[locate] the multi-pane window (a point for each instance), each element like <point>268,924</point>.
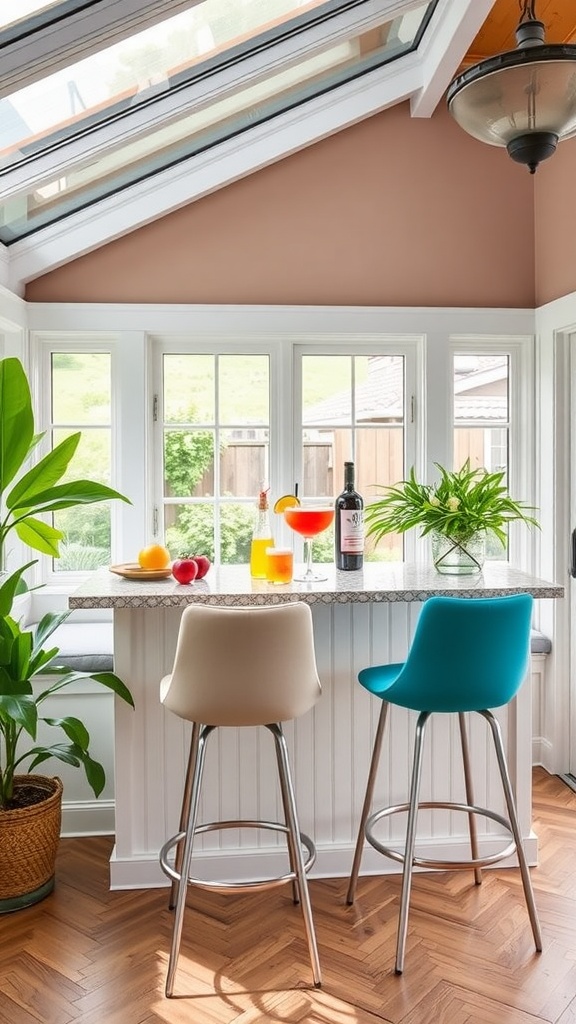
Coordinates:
<point>352,409</point>
<point>80,396</point>
<point>231,417</point>
<point>215,441</point>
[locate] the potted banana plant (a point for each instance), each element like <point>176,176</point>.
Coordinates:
<point>30,803</point>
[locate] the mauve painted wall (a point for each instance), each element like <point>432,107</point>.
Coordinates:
<point>393,211</point>
<point>555,224</point>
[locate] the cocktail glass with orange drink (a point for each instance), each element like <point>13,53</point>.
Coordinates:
<point>309,522</point>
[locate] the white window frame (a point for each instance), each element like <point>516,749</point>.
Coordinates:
<point>411,350</point>
<point>431,337</point>
<point>520,351</point>
<point>223,345</point>
<point>42,346</point>
<point>285,353</point>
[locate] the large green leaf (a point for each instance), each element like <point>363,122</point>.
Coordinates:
<point>40,536</point>
<point>108,679</point>
<point>74,729</point>
<point>48,623</point>
<point>74,755</point>
<point>21,651</point>
<point>16,419</point>
<point>95,774</point>
<point>40,661</point>
<point>65,752</point>
<point>11,587</point>
<point>76,492</point>
<point>11,687</point>
<point>44,474</point>
<point>21,709</point>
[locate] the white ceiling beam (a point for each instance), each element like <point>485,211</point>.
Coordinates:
<point>454,25</point>
<point>4,266</point>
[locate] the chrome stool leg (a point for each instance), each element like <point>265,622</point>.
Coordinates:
<point>183,878</point>
<point>469,795</point>
<point>289,837</point>
<point>376,751</point>
<point>185,812</point>
<point>296,848</point>
<point>190,815</point>
<point>515,827</point>
<point>410,840</point>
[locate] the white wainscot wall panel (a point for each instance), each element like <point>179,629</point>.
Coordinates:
<point>330,751</point>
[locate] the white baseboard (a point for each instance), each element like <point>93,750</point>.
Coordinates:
<point>333,861</point>
<point>543,754</point>
<point>87,818</point>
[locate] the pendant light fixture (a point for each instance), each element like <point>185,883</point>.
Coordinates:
<point>524,99</point>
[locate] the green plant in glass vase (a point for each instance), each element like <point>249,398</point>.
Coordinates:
<point>459,512</point>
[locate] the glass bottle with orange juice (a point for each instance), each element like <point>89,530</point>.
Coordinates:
<point>261,538</point>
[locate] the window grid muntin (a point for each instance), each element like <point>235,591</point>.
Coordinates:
<point>511,362</point>
<point>358,428</point>
<point>219,501</point>
<point>88,431</point>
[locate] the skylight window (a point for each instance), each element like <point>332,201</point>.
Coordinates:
<point>121,76</point>
<point>170,92</point>
<point>12,11</point>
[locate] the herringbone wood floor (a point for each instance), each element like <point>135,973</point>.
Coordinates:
<point>97,957</point>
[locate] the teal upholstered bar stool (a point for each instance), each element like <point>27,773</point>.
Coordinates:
<point>240,667</point>
<point>467,655</point>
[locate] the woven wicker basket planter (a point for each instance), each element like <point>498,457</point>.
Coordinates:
<point>29,838</point>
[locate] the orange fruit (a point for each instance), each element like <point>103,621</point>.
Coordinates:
<point>154,556</point>
<point>286,501</point>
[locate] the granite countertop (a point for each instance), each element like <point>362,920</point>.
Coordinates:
<point>377,581</point>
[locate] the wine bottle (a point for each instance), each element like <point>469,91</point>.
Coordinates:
<point>349,524</point>
<point>261,538</point>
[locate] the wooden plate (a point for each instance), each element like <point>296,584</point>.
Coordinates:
<point>132,571</point>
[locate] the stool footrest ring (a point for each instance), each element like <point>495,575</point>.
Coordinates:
<point>253,885</point>
<point>439,865</point>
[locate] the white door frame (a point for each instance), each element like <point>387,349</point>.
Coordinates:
<point>555,403</point>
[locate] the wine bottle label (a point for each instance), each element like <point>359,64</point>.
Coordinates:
<point>352,531</point>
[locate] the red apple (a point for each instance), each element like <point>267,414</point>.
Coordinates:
<point>203,564</point>
<point>185,570</point>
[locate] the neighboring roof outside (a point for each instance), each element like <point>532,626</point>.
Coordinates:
<point>380,398</point>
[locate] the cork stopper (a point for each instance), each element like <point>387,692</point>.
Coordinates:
<point>263,500</point>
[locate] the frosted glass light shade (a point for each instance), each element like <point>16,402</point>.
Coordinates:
<point>524,100</point>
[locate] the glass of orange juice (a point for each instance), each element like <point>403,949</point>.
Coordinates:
<point>279,563</point>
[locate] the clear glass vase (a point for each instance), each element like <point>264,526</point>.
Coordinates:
<point>457,557</point>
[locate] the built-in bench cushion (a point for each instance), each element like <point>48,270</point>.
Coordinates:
<point>83,646</point>
<point>88,646</point>
<point>539,643</point>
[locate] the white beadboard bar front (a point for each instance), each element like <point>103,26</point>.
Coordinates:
<point>360,618</point>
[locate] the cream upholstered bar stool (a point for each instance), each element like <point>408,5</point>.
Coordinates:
<point>240,667</point>
<point>467,655</point>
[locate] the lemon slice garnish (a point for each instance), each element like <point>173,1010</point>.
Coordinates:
<point>286,501</point>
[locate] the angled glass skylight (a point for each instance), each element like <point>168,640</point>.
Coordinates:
<point>20,18</point>
<point>173,91</point>
<point>130,72</point>
<point>13,11</point>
